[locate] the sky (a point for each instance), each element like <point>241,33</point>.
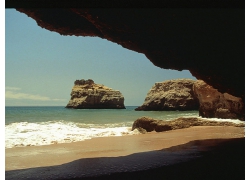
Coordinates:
<point>41,66</point>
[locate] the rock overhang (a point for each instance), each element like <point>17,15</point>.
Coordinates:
<point>209,42</point>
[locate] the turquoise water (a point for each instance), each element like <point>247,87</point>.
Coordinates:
<point>35,126</point>
<point>93,116</point>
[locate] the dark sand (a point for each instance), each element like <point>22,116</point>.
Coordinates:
<point>192,153</point>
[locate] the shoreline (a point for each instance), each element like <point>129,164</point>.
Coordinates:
<point>99,157</point>
<point>23,134</point>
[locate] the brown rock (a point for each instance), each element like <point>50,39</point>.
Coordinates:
<point>216,104</point>
<point>150,124</point>
<point>88,95</point>
<point>171,95</point>
<point>187,94</point>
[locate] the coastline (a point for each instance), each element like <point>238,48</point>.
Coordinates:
<point>114,156</point>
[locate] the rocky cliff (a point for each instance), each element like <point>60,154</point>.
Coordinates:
<point>187,94</point>
<point>216,104</point>
<point>171,95</point>
<point>88,95</point>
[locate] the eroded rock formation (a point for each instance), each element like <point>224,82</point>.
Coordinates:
<point>149,124</point>
<point>88,95</point>
<point>187,94</point>
<point>171,95</point>
<point>216,104</point>
<point>210,42</point>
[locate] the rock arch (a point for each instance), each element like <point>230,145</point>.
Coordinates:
<point>209,42</point>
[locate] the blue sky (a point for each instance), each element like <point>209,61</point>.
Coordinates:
<point>41,66</point>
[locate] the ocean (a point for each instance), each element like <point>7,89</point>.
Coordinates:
<point>36,126</point>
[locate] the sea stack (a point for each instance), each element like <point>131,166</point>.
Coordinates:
<point>171,95</point>
<point>86,94</point>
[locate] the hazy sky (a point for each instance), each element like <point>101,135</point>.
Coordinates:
<point>41,66</point>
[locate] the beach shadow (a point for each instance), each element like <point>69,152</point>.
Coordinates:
<point>201,159</point>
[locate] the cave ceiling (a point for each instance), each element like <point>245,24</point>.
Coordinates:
<point>209,42</point>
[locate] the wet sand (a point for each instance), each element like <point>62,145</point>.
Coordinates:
<point>192,153</point>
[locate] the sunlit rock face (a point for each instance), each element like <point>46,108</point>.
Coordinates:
<point>187,94</point>
<point>209,42</point>
<point>88,95</point>
<point>171,95</point>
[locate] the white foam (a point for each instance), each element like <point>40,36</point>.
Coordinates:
<point>236,121</point>
<point>36,134</point>
<point>53,132</point>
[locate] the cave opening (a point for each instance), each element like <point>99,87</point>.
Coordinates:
<point>24,76</point>
<point>57,61</point>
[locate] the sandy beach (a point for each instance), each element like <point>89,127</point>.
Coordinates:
<point>189,153</point>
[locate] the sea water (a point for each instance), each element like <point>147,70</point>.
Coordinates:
<point>36,126</point>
